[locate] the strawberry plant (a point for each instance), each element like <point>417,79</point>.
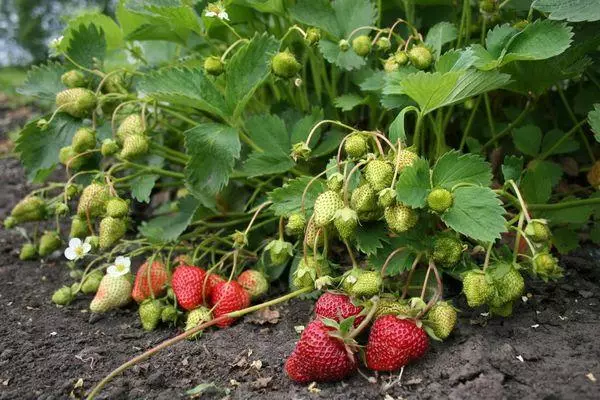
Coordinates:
<point>369,150</point>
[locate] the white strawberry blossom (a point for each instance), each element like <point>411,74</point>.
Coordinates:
<point>77,249</point>
<point>120,267</point>
<point>217,10</point>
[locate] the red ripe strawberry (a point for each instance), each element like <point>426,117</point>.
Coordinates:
<point>320,357</point>
<point>187,284</point>
<point>337,306</point>
<point>394,342</point>
<point>227,297</point>
<point>154,278</point>
<point>212,280</point>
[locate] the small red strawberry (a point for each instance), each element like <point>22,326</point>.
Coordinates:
<point>394,342</point>
<point>227,297</point>
<point>149,281</point>
<point>212,280</point>
<point>319,356</point>
<point>337,306</point>
<point>187,284</point>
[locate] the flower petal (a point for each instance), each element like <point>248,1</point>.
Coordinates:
<point>86,247</point>
<point>224,15</point>
<point>210,14</point>
<point>70,253</point>
<point>75,242</point>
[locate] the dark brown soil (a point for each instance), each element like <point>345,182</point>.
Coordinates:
<point>549,350</point>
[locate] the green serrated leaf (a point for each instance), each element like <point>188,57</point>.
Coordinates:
<point>435,90</point>
<point>141,187</point>
<point>39,149</point>
<point>440,34</point>
<point>261,164</point>
<point>538,181</point>
<point>247,70</point>
<point>371,237</point>
<point>402,260</point>
<point>168,228</point>
<point>396,131</point>
<point>87,46</point>
<point>112,31</point>
<point>577,215</point>
<point>352,14</point>
<point>347,60</point>
<point>570,10</point>
<point>213,149</point>
<point>453,168</point>
<point>413,184</point>
<point>288,198</point>
<point>565,239</point>
<point>347,102</point>
<point>328,144</point>
<point>187,87</point>
<point>455,60</point>
<point>43,81</point>
<point>512,168</point>
<point>302,127</point>
<point>594,121</point>
<point>269,133</point>
<point>175,20</point>
<point>374,83</point>
<point>528,139</point>
<point>477,213</point>
<point>567,145</point>
<point>317,13</point>
<point>497,39</point>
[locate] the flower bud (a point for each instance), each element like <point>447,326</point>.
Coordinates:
<point>386,197</point>
<point>537,230</point>
<point>344,45</point>
<point>72,190</point>
<point>313,35</point>
<point>285,65</point>
<point>280,251</point>
<point>60,209</point>
<point>301,151</point>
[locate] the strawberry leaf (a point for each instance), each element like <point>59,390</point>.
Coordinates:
<point>43,81</point>
<point>538,181</point>
<point>440,34</point>
<point>413,184</point>
<point>269,133</point>
<point>288,198</point>
<point>167,228</point>
<point>453,168</point>
<point>594,121</point>
<point>528,139</point>
<point>347,60</point>
<point>570,10</point>
<point>371,237</point>
<point>512,168</point>
<point>477,213</point>
<point>317,13</point>
<point>261,164</point>
<point>87,46</point>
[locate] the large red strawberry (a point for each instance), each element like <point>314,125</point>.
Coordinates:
<point>187,284</point>
<point>149,281</point>
<point>394,342</point>
<point>212,280</point>
<point>227,297</point>
<point>319,356</point>
<point>337,306</point>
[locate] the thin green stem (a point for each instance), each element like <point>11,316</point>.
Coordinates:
<point>463,140</point>
<point>584,138</point>
<point>506,131</point>
<point>560,141</point>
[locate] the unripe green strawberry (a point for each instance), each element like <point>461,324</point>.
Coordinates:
<point>214,66</point>
<point>442,318</point>
<point>254,282</point>
<point>28,252</point>
<point>476,288</point>
<point>113,292</point>
<point>73,79</point>
<point>240,239</point>
<point>546,267</point>
<point>63,296</point>
<point>404,158</point>
<point>400,218</point>
<point>309,270</point>
<point>93,241</point>
<point>169,314</point>
<point>300,151</point>
<point>31,208</point>
<point>111,230</point>
<point>447,250</point>
<point>60,209</point>
<point>350,277</point>
<point>383,44</point>
<point>311,232</point>
<point>356,145</point>
<point>114,84</point>
<point>83,140</point>
<point>117,207</point>
<point>72,190</point>
<point>363,199</point>
<point>197,317</point>
<point>367,284</point>
<point>509,286</point>
<point>335,182</point>
<point>49,243</point>
<point>388,306</point>
<point>79,228</point>
<point>69,158</point>
<point>390,65</point>
<point>326,205</point>
<point>386,197</point>
<point>313,35</point>
<point>9,223</point>
<point>134,146</point>
<point>361,45</point>
<point>109,147</point>
<point>132,125</point>
<point>488,6</point>
<point>537,230</point>
<point>76,102</point>
<point>295,225</point>
<point>401,57</point>
<point>280,251</point>
<point>379,174</point>
<point>344,45</point>
<point>93,200</point>
<point>285,65</point>
<point>92,282</point>
<point>420,57</point>
<point>150,312</point>
<point>346,222</point>
<point>503,310</point>
<point>439,200</point>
